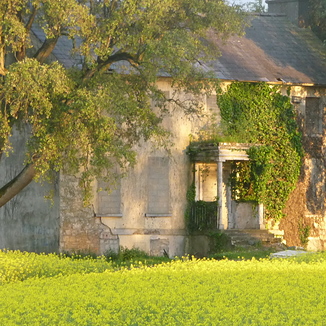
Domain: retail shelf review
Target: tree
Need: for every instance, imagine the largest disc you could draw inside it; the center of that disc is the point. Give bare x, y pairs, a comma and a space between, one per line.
87, 118
317, 18
256, 6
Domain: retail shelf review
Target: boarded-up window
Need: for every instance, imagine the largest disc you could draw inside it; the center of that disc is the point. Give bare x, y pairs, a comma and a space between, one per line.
314, 117
158, 186
109, 202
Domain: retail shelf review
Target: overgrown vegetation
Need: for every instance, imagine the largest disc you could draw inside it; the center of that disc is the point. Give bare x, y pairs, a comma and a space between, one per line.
304, 232
220, 241
317, 18
260, 114
19, 266
256, 6
86, 119
200, 215
182, 292
191, 197
129, 256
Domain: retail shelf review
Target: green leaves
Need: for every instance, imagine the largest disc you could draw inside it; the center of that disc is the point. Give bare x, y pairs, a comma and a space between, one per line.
260, 114
317, 18
88, 120
12, 29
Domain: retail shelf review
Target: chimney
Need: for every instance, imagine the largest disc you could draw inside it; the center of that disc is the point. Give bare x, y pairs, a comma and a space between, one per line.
297, 11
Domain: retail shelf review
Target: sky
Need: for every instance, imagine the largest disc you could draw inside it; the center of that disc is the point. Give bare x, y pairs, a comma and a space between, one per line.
242, 2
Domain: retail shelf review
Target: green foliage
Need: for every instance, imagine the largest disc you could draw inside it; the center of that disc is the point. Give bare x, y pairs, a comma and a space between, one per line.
304, 232
317, 18
88, 120
220, 241
256, 6
191, 197
18, 266
133, 257
213, 133
260, 114
199, 215
203, 215
241, 181
191, 193
127, 254
182, 292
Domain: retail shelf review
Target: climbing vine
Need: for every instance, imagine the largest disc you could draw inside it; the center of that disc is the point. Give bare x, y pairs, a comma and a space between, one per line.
191, 196
258, 113
200, 215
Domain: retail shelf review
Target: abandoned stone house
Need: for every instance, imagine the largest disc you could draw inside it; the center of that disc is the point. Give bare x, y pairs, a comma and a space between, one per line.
146, 209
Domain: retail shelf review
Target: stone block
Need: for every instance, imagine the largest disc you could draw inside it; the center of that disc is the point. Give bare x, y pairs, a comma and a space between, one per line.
159, 246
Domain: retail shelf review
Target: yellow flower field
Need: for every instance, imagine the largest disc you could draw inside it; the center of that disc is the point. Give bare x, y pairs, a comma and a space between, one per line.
183, 292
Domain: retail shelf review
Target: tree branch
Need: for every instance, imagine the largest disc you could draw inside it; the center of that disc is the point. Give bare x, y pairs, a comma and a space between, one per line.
31, 19
46, 49
105, 65
13, 187
21, 53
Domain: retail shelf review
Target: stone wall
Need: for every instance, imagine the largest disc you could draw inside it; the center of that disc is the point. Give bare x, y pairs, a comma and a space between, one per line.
305, 211
80, 230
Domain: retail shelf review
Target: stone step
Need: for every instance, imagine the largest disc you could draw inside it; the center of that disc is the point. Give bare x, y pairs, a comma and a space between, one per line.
252, 237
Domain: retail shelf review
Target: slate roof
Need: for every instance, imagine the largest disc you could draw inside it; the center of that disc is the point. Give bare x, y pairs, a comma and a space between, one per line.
272, 50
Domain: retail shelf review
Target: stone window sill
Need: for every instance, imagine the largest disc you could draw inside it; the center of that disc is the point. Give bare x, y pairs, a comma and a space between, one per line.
108, 215
158, 215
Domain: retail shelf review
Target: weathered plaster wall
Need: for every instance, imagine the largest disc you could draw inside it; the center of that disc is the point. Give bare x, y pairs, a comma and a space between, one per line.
28, 222
140, 228
135, 225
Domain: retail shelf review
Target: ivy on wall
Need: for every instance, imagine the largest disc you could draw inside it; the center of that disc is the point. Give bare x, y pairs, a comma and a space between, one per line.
258, 113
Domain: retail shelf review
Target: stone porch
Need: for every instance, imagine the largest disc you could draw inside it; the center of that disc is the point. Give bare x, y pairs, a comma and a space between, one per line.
212, 168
